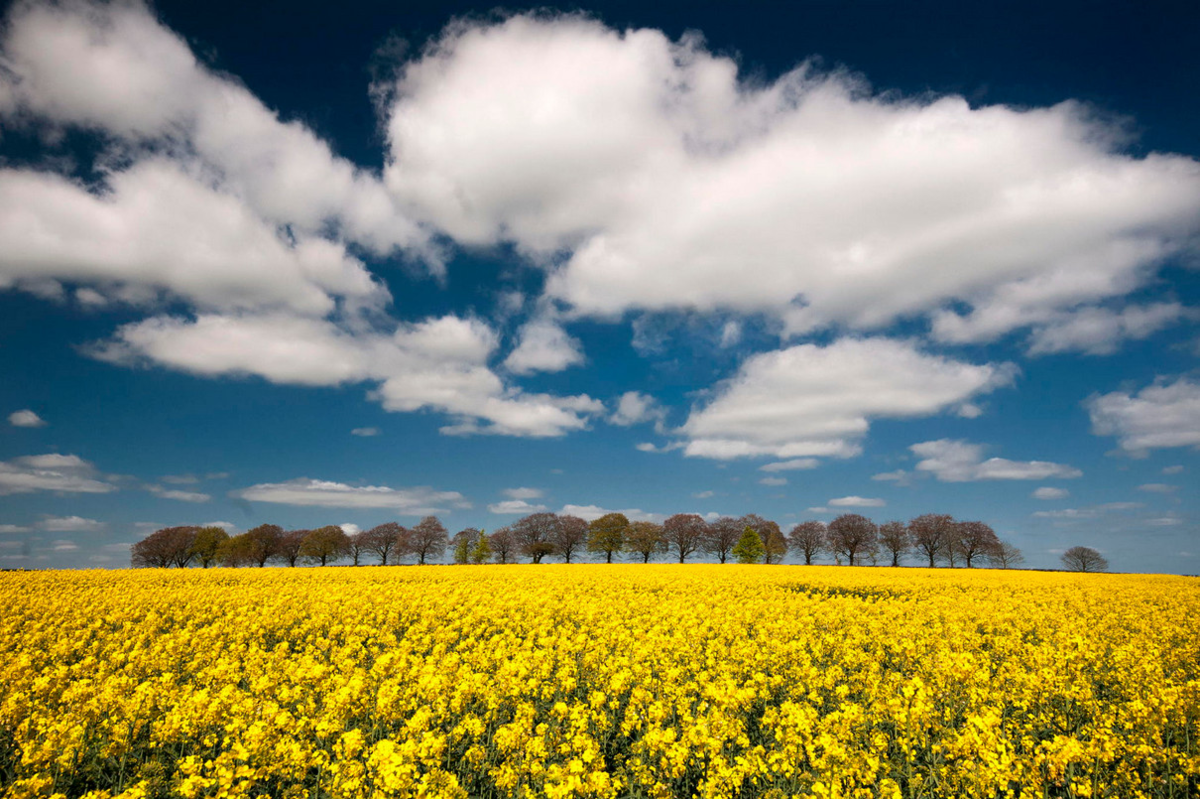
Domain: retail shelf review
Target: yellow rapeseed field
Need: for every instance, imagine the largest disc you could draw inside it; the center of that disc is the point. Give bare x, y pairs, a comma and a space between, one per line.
595, 680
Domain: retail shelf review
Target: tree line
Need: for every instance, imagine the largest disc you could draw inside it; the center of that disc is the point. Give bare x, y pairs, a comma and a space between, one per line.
932, 539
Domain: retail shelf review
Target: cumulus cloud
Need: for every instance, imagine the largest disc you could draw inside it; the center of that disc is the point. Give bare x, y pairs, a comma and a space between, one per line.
25, 418
960, 461
1100, 331
51, 472
1158, 488
1161, 415
70, 524
811, 400
704, 495
178, 494
857, 502
634, 407
515, 506
590, 512
438, 364
543, 346
523, 493
418, 501
795, 463
843, 205
773, 481
1049, 492
900, 477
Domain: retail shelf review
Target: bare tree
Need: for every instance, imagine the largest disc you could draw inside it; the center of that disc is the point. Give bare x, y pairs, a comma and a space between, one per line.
262, 542
895, 539
289, 545
1006, 556
975, 540
384, 539
170, 546
208, 543
684, 533
606, 535
504, 544
358, 546
1083, 559
722, 536
645, 539
535, 535
853, 535
809, 539
932, 534
774, 544
326, 545
427, 540
570, 538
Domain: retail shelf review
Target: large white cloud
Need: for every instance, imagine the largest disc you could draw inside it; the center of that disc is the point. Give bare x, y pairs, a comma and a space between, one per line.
810, 400
1161, 415
438, 364
418, 501
51, 472
954, 461
670, 183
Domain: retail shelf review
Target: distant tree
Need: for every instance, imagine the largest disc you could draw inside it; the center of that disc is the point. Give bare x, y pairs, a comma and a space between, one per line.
536, 534
606, 535
207, 544
853, 535
645, 539
894, 538
721, 537
464, 542
262, 543
384, 539
504, 544
428, 539
358, 546
235, 551
975, 541
749, 548
932, 534
1006, 556
325, 545
774, 544
570, 538
289, 545
685, 533
1083, 559
482, 553
808, 538
170, 546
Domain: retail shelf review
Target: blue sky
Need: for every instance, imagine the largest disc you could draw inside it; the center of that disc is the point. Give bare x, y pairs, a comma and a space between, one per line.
306, 266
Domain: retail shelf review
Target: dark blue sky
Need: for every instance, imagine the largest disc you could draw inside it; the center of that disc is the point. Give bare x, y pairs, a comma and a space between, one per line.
553, 241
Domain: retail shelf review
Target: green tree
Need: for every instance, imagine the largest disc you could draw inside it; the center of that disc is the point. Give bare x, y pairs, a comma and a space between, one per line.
606, 535
749, 548
325, 545
208, 543
482, 553
464, 544
645, 539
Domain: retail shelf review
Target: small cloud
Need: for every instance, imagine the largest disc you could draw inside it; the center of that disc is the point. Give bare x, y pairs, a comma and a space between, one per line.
646, 446
773, 481
349, 528
731, 333
306, 492
899, 477
181, 479
25, 418
14, 528
590, 512
65, 546
176, 494
819, 510
1158, 488
226, 526
857, 502
703, 495
1164, 521
969, 410
956, 461
1172, 469
365, 432
634, 407
522, 493
795, 463
70, 524
515, 506
1046, 492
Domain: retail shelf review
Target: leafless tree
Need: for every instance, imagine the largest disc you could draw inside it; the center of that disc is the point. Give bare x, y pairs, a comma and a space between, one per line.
775, 546
1083, 559
536, 534
504, 544
384, 539
809, 539
287, 549
1006, 556
325, 545
427, 540
853, 535
684, 533
207, 544
645, 539
722, 536
932, 534
358, 546
895, 539
571, 537
170, 546
975, 541
606, 535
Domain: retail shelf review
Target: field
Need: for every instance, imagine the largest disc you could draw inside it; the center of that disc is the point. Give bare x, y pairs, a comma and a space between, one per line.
593, 680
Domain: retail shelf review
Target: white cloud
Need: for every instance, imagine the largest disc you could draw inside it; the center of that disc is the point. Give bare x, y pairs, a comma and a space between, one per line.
635, 407
1047, 492
438, 364
844, 206
1160, 415
226, 526
795, 463
704, 495
51, 472
1158, 488
900, 477
1164, 521
70, 524
811, 400
14, 528
773, 481
1100, 331
1172, 469
857, 502
819, 510
25, 418
523, 493
349, 528
181, 479
365, 432
64, 546
418, 501
960, 461
544, 347
590, 512
182, 496
515, 506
